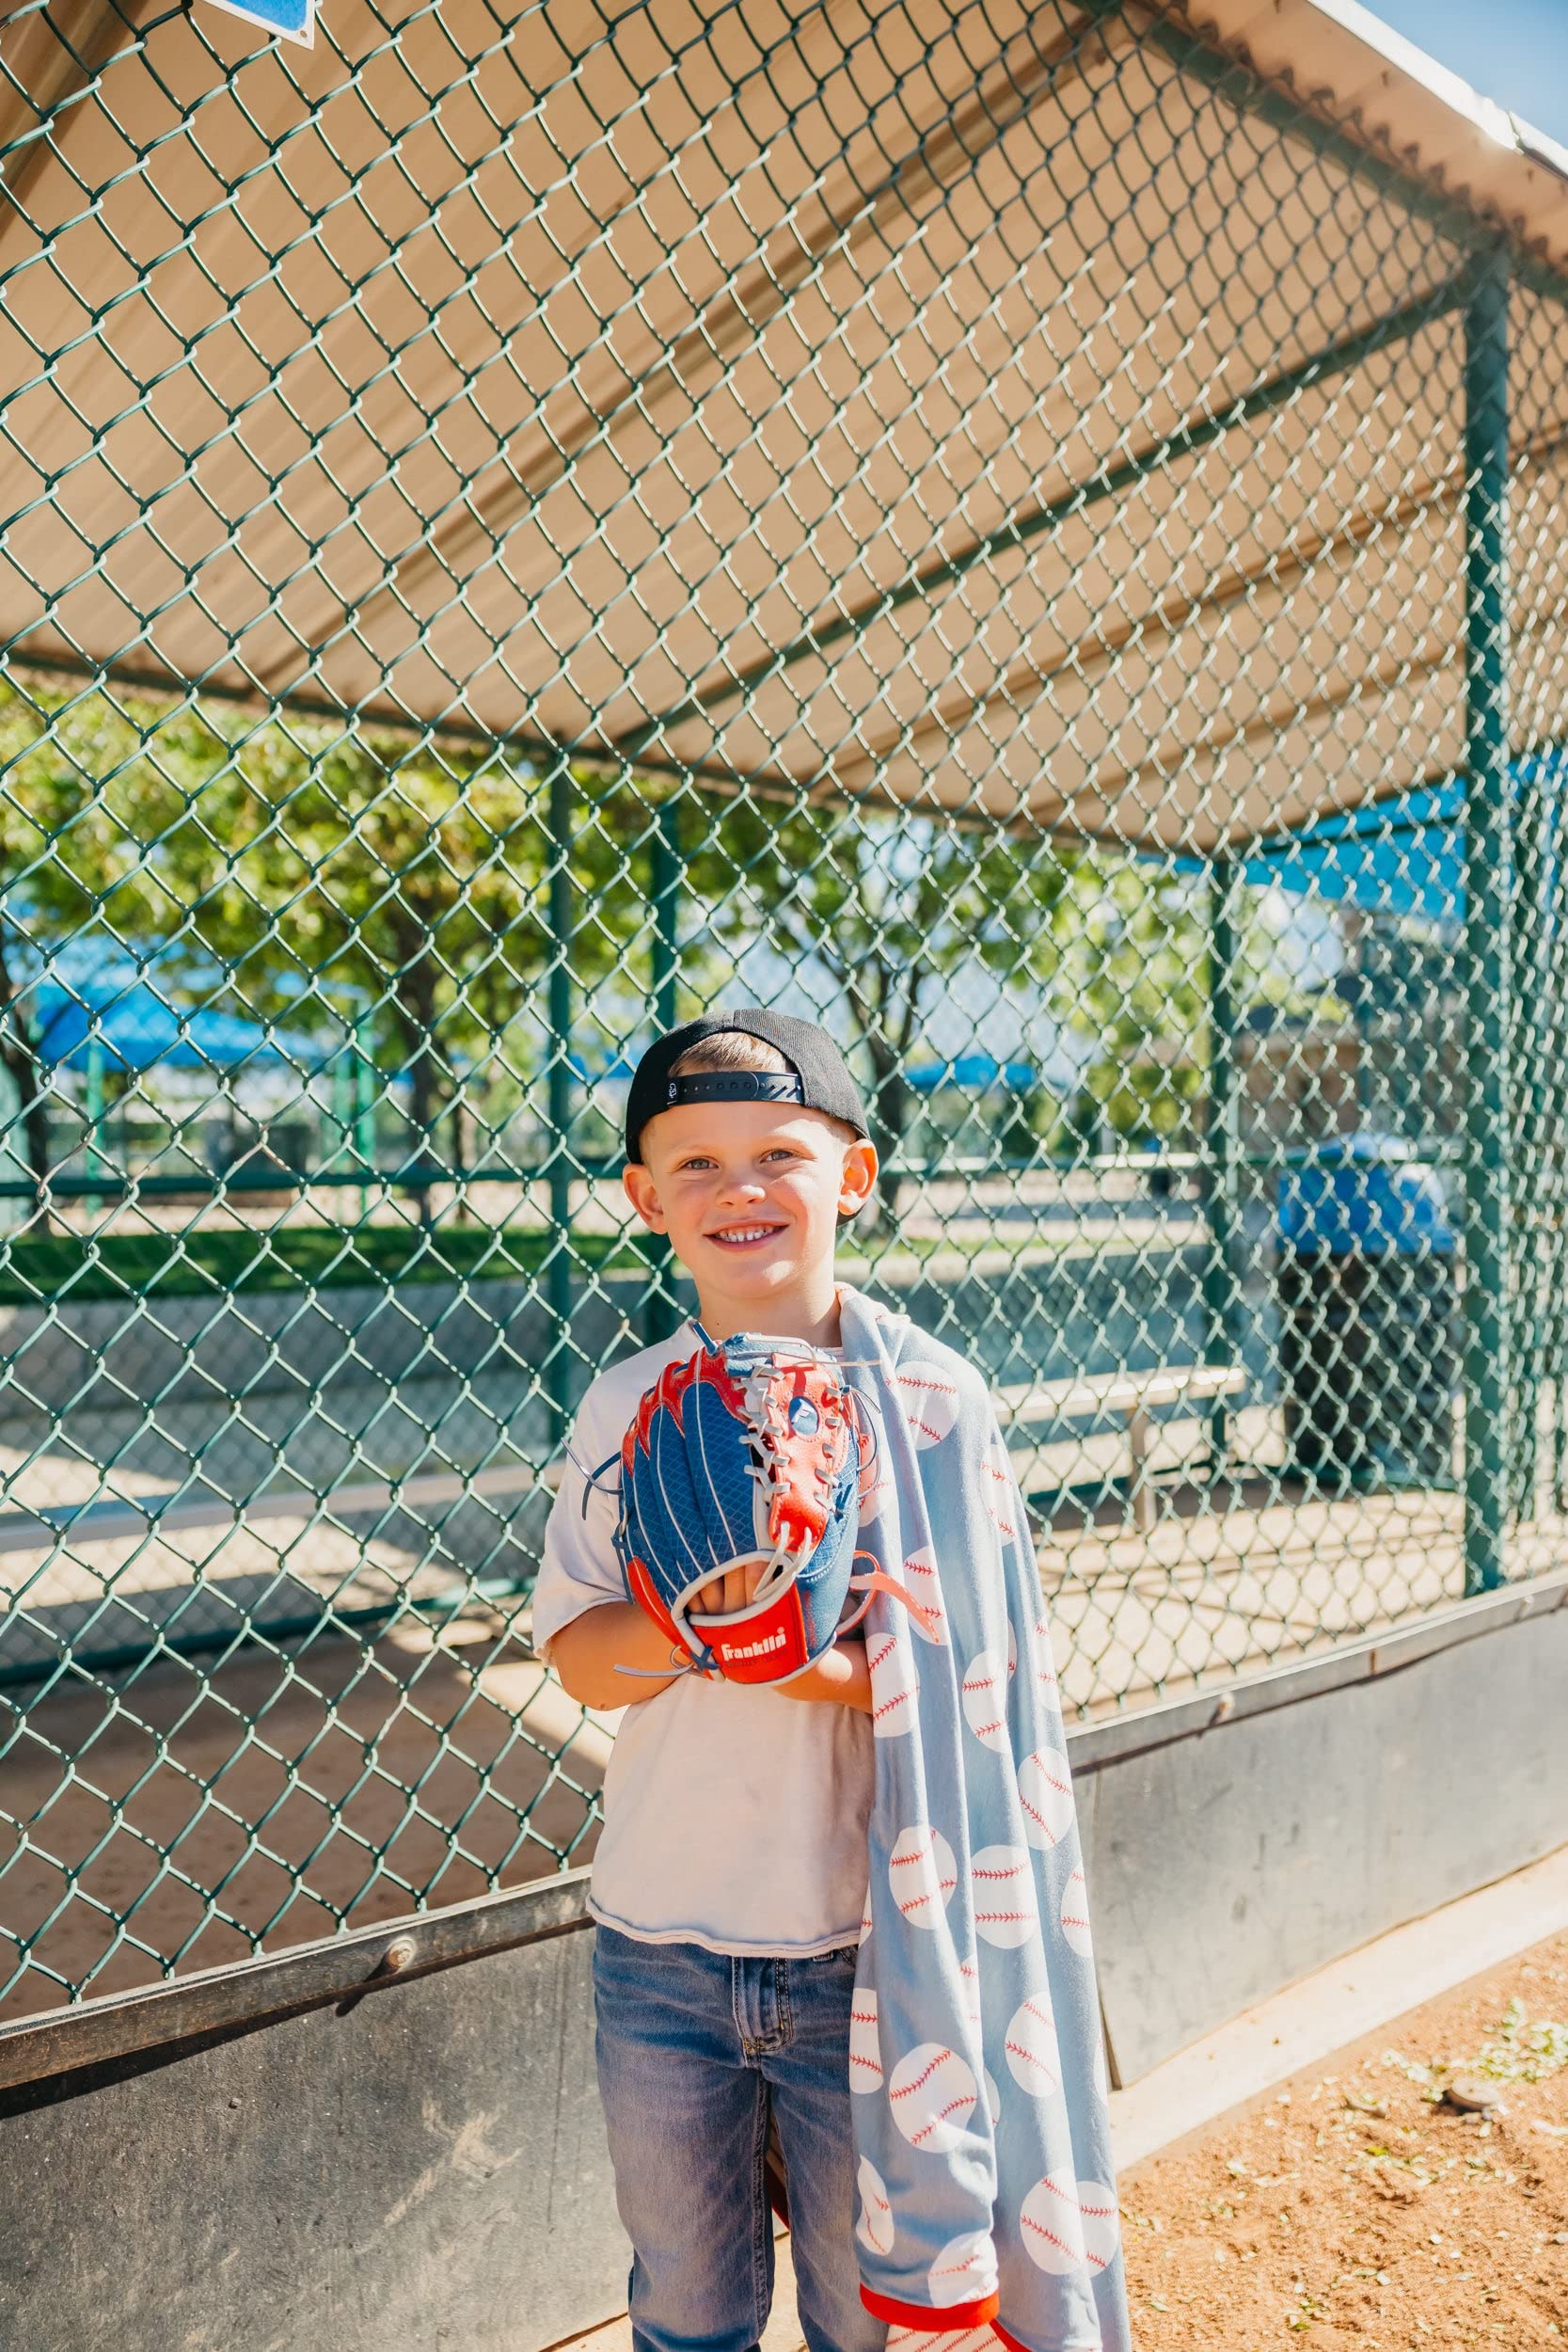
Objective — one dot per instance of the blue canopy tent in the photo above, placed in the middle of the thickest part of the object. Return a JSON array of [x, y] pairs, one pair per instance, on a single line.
[[87, 1023], [980, 1072], [108, 1023]]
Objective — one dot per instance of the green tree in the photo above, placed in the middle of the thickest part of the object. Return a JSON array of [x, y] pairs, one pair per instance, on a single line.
[[892, 905], [1132, 984], [311, 872]]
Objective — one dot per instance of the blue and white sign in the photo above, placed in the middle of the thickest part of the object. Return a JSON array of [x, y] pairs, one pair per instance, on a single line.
[[291, 20]]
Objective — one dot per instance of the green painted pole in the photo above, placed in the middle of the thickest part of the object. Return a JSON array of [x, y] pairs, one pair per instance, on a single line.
[[661, 1314], [1222, 1141], [1487, 959], [1531, 1062], [98, 1164], [558, 1272], [364, 1108]]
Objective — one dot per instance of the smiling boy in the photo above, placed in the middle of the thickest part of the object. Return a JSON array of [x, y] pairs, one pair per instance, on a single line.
[[730, 1880]]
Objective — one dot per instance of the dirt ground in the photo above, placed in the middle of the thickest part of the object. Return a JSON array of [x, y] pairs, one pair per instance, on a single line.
[[1354, 2206]]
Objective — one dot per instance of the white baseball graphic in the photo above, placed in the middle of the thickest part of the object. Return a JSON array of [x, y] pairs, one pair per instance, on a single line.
[[865, 1917], [1045, 1792], [875, 1489], [1032, 2056], [998, 1476], [1003, 1888], [1043, 1663], [985, 1698], [1096, 2208], [893, 1686], [865, 2049], [1075, 1915], [931, 2093], [919, 1577], [922, 1873], [1012, 1650], [963, 2271], [1101, 2071], [970, 1971], [930, 1397], [875, 2226], [1049, 2225], [993, 2097]]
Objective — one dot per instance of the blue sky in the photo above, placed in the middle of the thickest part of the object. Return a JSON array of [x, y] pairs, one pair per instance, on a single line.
[[1514, 51]]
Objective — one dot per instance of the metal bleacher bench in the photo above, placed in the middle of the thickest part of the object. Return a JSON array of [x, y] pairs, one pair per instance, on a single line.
[[1134, 1394]]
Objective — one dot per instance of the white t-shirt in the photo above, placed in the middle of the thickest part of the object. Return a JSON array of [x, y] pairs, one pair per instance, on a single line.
[[734, 1819]]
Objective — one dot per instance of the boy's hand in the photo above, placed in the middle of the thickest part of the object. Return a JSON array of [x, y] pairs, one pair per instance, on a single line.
[[729, 1591], [840, 1674]]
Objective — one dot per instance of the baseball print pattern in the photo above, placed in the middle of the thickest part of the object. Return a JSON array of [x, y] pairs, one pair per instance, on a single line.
[[986, 2185], [894, 1683], [922, 1875]]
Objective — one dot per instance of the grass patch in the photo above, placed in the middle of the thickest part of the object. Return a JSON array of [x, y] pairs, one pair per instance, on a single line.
[[38, 1269], [41, 1267]]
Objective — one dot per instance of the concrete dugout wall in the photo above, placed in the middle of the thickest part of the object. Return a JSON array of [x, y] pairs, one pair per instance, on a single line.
[[328, 2149]]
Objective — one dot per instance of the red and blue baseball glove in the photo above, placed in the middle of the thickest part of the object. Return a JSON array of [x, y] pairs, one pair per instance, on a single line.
[[749, 1452]]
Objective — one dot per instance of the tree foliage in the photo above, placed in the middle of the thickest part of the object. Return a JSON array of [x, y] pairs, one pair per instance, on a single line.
[[319, 874]]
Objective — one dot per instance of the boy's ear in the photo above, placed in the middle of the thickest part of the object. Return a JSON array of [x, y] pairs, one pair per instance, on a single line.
[[641, 1192], [859, 1174]]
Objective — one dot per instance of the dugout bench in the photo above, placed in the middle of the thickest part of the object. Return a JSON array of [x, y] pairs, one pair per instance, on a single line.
[[1135, 1395]]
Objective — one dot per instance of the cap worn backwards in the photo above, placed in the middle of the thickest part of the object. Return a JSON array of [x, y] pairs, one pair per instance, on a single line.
[[820, 1079]]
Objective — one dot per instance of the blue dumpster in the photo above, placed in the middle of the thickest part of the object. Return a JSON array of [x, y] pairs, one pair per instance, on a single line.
[[1369, 1342]]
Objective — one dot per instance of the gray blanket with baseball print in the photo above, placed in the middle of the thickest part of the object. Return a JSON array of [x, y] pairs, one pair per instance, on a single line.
[[987, 2200]]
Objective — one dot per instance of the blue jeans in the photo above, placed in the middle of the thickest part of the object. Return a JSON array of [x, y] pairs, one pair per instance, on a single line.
[[692, 2048]]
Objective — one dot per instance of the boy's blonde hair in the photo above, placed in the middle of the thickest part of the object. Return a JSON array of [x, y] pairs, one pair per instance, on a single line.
[[736, 1049]]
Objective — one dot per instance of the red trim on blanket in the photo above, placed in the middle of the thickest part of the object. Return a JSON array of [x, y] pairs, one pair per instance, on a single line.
[[925, 2314]]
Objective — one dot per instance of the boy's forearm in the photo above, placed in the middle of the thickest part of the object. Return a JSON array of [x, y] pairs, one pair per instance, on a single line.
[[586, 1653]]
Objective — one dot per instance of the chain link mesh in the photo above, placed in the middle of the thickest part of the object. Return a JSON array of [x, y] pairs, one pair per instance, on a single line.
[[989, 528]]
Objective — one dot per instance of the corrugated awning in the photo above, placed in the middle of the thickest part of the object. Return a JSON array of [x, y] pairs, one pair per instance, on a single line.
[[1023, 410]]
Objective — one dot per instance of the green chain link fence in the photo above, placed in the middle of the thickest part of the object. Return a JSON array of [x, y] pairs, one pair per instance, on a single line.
[[995, 529]]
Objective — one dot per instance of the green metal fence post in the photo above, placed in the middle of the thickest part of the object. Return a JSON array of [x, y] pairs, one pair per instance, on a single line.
[[1531, 1060], [661, 1314], [1222, 1162], [98, 1164], [558, 1276], [1486, 961], [364, 1107]]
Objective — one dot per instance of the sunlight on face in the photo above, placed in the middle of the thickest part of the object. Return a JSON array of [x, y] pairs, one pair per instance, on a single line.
[[749, 1193]]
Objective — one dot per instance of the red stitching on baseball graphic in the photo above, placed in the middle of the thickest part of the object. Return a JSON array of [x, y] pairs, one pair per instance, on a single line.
[[941, 2117], [995, 1916], [1028, 2222], [873, 2066], [1011, 1871], [918, 2079], [1019, 2049]]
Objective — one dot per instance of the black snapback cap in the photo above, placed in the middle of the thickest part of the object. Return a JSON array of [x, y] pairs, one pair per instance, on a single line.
[[818, 1081]]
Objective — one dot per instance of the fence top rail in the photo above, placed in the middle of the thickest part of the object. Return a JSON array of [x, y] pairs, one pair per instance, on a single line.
[[907, 649]]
